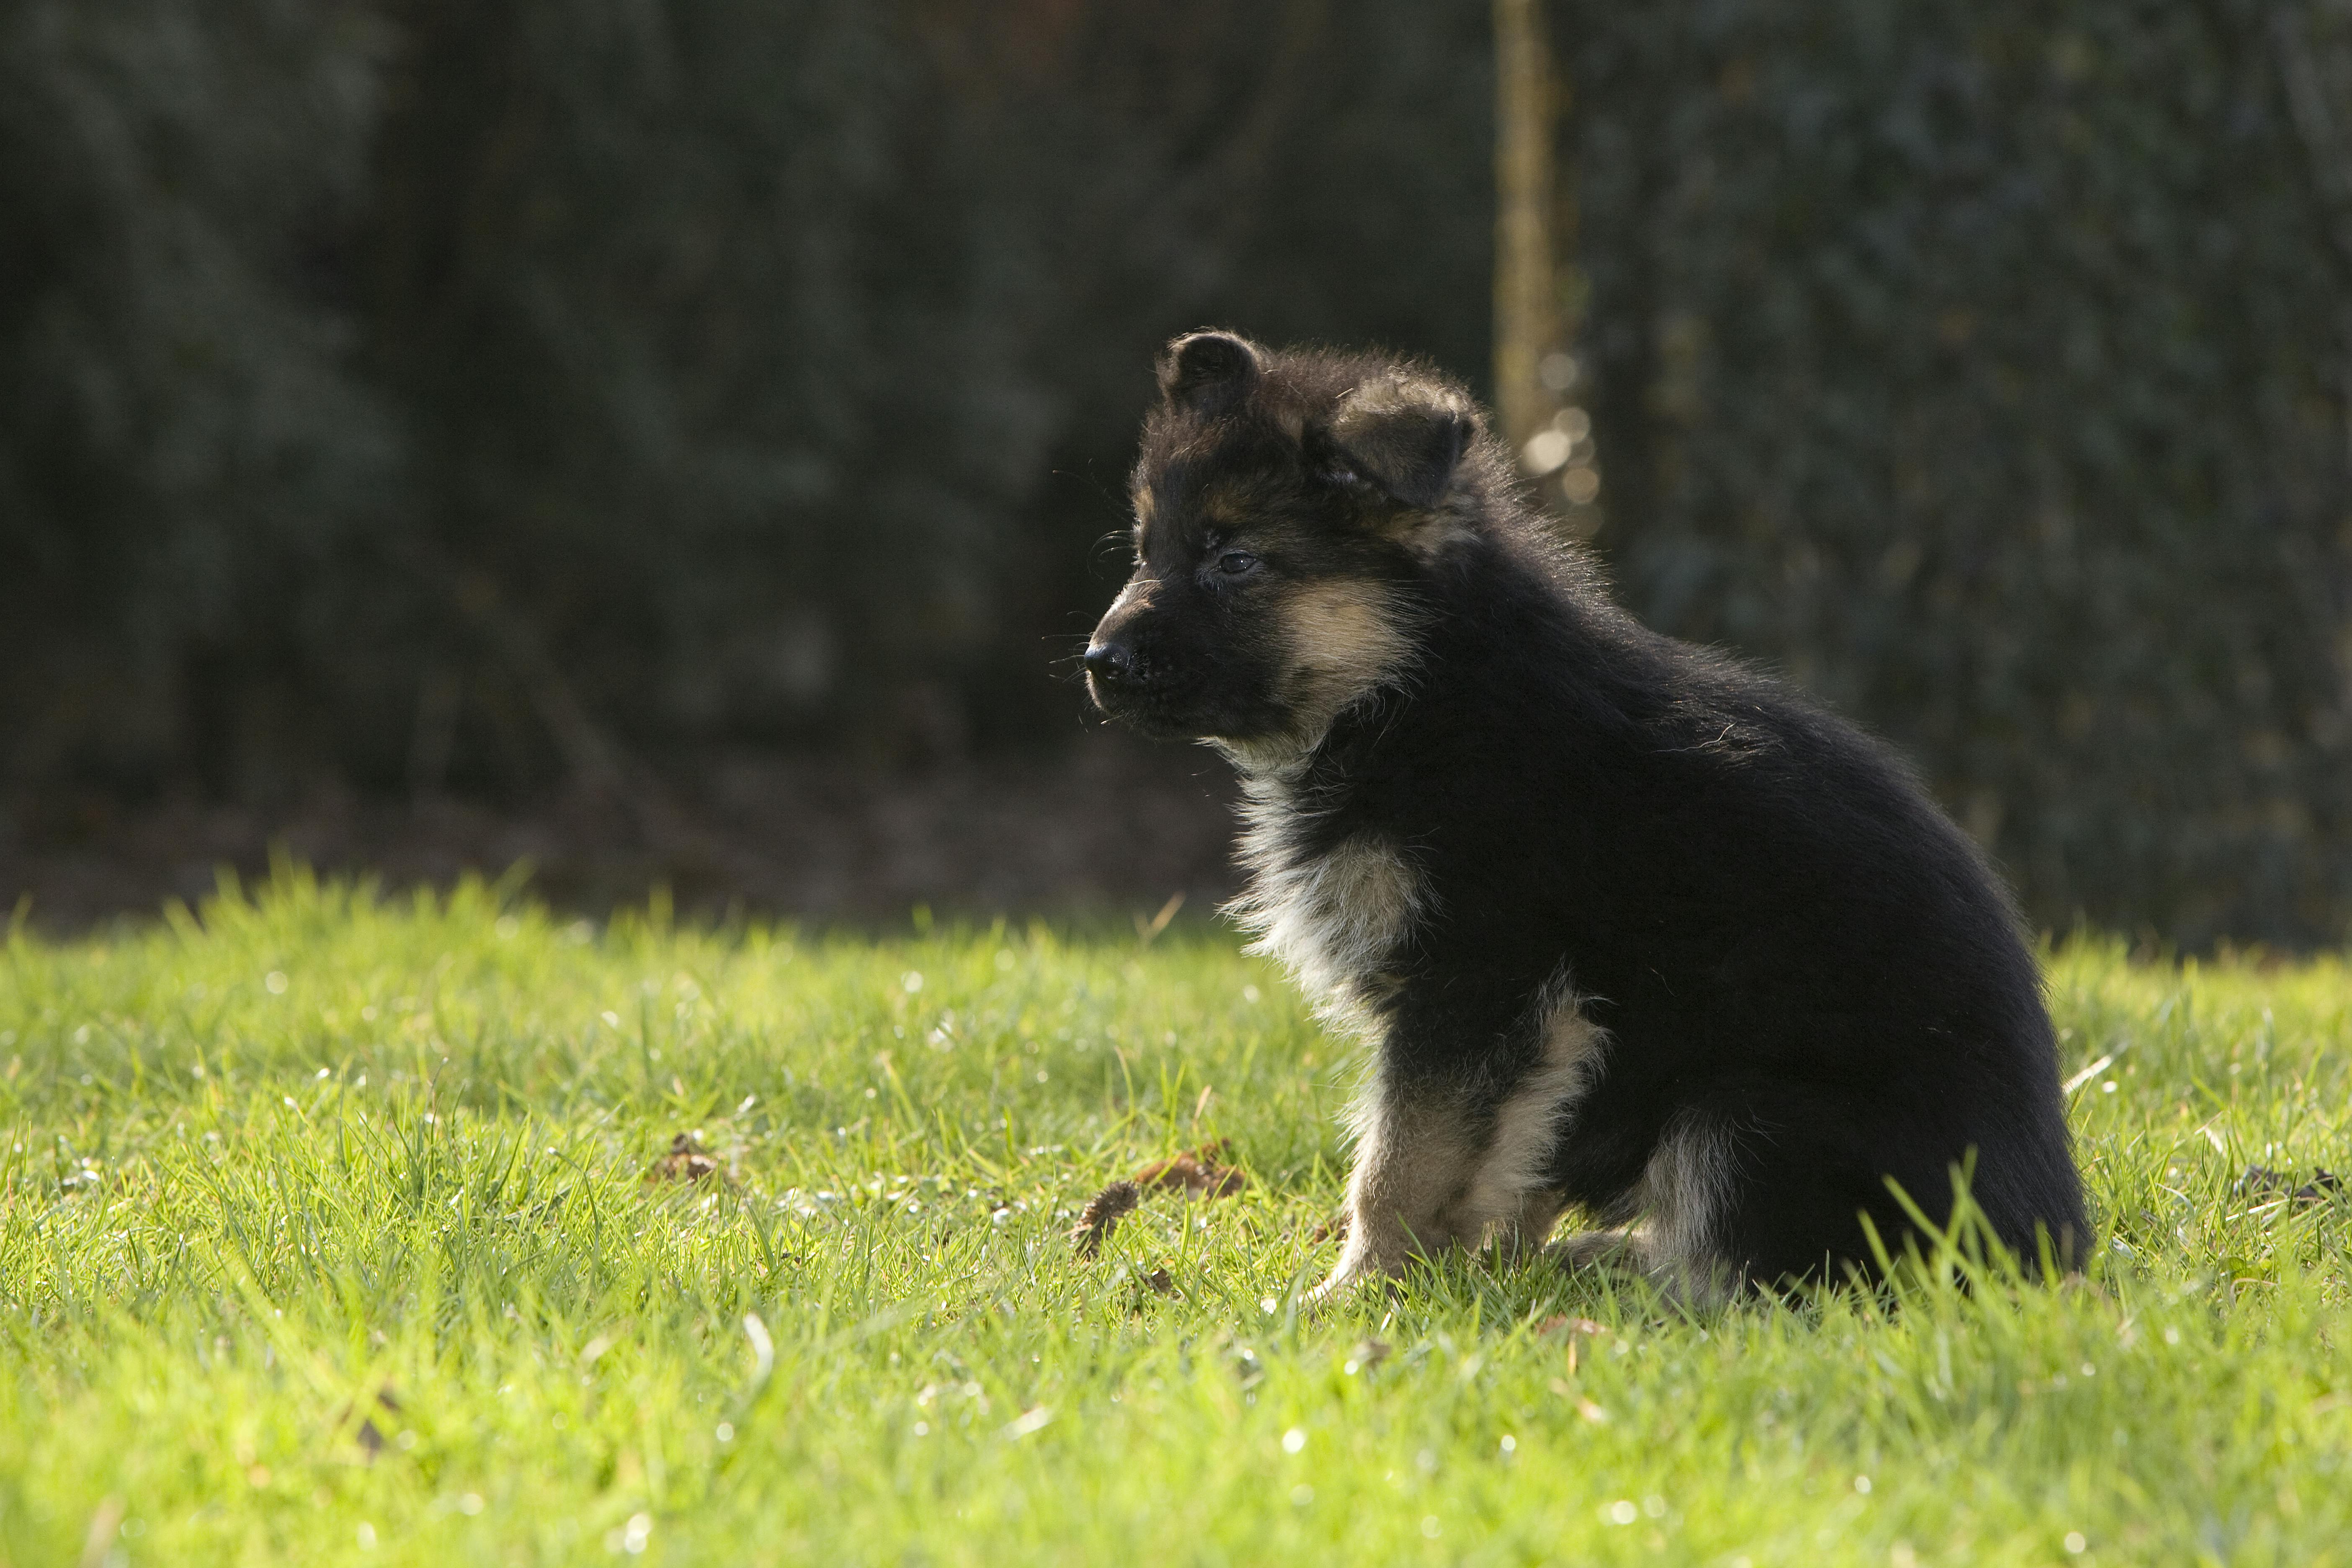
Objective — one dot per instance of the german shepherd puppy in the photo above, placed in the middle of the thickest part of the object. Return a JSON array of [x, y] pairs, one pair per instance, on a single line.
[[1626, 925]]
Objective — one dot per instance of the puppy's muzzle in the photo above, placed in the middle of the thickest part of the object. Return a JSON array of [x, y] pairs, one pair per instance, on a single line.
[[1111, 664]]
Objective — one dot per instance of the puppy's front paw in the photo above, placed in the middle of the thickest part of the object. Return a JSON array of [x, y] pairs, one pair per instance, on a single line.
[[1345, 1283], [1326, 1295]]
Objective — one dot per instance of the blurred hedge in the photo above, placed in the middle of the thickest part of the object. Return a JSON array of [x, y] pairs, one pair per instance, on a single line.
[[440, 394], [181, 435], [1985, 364], [436, 395]]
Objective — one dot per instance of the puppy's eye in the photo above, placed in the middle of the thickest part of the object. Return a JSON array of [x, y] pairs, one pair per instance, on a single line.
[[1234, 562]]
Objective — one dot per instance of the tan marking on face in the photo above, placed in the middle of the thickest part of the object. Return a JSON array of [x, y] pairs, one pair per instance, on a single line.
[[1344, 638], [1427, 534], [1228, 510]]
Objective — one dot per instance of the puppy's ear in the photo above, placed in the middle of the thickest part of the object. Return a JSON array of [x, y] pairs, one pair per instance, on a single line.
[[1208, 372], [1405, 436]]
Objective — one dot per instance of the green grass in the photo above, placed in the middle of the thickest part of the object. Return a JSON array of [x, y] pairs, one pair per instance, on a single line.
[[260, 1166]]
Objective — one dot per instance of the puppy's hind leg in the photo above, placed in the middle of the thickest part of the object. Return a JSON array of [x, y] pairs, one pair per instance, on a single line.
[[1680, 1218], [1613, 1249]]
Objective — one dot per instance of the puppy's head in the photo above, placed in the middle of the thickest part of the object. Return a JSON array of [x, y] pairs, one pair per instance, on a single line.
[[1284, 504]]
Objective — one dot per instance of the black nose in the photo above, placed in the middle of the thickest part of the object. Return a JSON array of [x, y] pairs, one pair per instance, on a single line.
[[1110, 662]]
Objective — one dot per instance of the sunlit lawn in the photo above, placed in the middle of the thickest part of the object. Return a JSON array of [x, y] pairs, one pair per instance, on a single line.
[[328, 1237]]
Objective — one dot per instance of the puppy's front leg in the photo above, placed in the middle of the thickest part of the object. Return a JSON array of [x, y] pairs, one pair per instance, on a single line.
[[1416, 1155]]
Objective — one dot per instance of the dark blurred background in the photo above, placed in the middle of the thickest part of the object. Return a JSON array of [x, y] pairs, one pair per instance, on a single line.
[[675, 439]]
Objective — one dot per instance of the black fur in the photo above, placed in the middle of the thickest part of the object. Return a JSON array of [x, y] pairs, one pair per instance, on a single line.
[[1775, 926], [1207, 372]]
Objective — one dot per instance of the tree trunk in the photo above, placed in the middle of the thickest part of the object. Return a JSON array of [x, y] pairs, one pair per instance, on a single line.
[[1526, 325]]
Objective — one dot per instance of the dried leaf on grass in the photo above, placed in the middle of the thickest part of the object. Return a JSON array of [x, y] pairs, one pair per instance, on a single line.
[[2260, 1181], [1107, 1208], [1196, 1173], [686, 1162], [1199, 1173], [370, 1436], [1577, 1329]]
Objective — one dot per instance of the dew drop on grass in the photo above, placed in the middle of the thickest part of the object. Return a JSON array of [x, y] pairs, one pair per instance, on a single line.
[[1622, 1512], [1294, 1439]]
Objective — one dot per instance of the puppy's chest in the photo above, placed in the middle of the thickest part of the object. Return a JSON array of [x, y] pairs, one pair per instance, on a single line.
[[1334, 909]]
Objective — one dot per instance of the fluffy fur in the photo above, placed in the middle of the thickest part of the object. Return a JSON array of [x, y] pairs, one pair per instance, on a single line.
[[1626, 925]]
